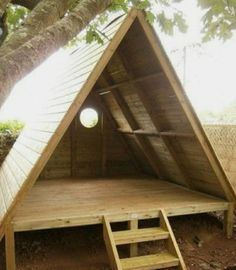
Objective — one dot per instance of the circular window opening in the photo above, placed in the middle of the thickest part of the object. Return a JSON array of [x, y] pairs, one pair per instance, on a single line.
[[89, 118]]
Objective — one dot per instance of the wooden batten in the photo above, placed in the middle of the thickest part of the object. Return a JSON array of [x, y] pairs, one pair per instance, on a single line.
[[156, 133], [104, 145], [132, 81], [10, 247], [74, 142]]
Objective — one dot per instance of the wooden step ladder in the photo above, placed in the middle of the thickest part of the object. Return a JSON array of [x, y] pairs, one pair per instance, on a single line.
[[171, 258]]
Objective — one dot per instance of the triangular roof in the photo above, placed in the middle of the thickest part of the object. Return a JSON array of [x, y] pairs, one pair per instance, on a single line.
[[37, 142]]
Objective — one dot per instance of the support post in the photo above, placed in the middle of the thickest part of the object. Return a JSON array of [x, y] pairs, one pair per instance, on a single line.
[[73, 138], [104, 145], [229, 220], [10, 247], [133, 225]]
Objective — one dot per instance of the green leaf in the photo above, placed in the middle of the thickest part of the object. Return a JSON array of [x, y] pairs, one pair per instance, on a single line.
[[12, 126], [143, 4], [165, 23], [180, 22], [206, 3], [150, 17], [15, 16], [93, 35], [120, 5]]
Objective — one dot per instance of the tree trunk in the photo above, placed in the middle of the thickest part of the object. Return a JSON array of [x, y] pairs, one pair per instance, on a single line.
[[46, 13], [3, 28], [30, 4], [20, 62], [3, 5]]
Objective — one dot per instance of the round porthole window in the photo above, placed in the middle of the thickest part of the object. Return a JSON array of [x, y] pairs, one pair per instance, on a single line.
[[89, 118]]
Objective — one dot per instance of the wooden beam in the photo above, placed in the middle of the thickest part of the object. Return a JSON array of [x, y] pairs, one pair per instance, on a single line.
[[73, 147], [172, 243], [104, 144], [143, 144], [110, 245], [155, 133], [229, 221], [103, 90], [176, 134], [133, 225], [145, 99], [187, 107], [10, 247]]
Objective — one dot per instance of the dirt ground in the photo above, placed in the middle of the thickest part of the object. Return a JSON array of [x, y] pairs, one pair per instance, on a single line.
[[200, 237]]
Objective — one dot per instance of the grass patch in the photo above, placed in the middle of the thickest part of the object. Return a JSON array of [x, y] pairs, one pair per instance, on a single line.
[[11, 127], [9, 131]]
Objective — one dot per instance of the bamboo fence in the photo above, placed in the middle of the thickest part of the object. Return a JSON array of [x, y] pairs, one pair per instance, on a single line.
[[223, 140]]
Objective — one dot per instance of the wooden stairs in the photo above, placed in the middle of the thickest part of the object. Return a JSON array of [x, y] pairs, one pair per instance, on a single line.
[[163, 260]]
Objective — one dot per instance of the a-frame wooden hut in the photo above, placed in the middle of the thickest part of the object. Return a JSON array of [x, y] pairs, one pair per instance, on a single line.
[[147, 157]]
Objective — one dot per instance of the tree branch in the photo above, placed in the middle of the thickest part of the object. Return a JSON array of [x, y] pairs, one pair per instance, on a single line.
[[3, 6], [30, 4], [3, 28], [45, 14], [20, 62]]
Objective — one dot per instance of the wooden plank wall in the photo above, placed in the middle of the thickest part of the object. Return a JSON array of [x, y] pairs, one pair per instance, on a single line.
[[59, 165], [99, 151], [223, 139]]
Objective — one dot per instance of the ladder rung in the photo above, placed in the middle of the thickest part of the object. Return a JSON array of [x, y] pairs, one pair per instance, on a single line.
[[139, 235], [150, 262]]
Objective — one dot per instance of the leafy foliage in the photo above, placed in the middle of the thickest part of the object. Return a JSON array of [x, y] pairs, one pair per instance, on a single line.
[[93, 33], [156, 11], [15, 16], [11, 127], [9, 132], [219, 19]]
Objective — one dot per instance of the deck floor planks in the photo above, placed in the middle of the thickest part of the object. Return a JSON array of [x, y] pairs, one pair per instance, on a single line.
[[59, 199]]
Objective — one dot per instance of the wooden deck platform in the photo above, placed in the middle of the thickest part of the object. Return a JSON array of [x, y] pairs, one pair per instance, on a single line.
[[75, 202]]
